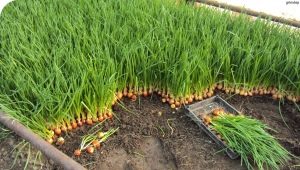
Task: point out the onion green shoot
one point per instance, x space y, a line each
250 139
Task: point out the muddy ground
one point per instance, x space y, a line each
170 140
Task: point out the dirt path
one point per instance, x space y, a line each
149 140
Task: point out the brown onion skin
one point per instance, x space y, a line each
57 131
77 152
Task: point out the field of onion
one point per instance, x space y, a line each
64 64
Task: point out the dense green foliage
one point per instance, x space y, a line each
58 57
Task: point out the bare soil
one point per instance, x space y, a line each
170 140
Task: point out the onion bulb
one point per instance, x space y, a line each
50 140
90 149
119 95
74 125
145 93
133 98
100 135
60 141
218 112
77 152
289 97
96 144
130 94
109 115
210 93
63 128
89 121
79 123
237 91
207 119
101 118
219 86
69 127
95 119
227 91
190 99
57 131
294 99
242 92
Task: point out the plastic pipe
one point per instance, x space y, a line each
251 12
50 151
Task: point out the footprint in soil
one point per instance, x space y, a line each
149 156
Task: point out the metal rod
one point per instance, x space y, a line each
49 150
251 12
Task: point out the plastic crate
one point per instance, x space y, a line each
197 110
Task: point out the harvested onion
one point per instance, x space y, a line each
218 112
77 152
90 149
96 144
207 120
101 134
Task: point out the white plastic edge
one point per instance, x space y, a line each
3 3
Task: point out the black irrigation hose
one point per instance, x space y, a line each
49 150
251 12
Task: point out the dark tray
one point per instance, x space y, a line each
205 107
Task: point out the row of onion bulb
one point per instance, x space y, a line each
176 102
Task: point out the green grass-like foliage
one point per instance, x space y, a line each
58 57
250 139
